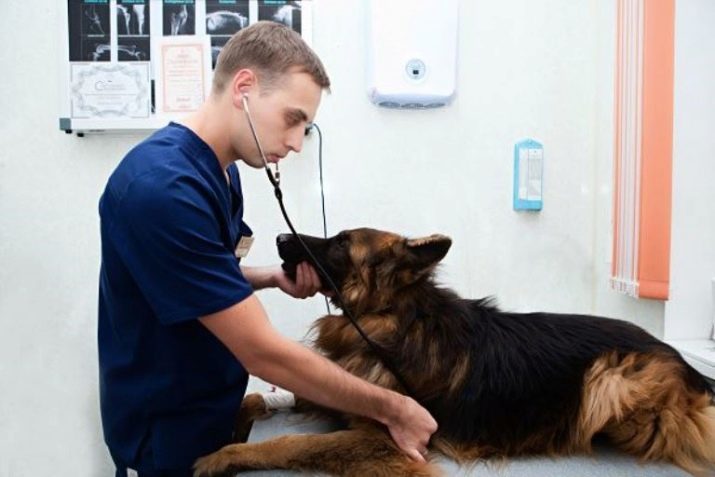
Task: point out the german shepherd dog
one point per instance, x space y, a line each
499 384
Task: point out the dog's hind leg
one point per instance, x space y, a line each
645 405
350 453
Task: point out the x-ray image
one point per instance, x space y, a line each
223 19
133 30
179 17
95 50
226 17
133 48
281 11
95 19
88 30
132 17
217 44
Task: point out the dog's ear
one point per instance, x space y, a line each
427 251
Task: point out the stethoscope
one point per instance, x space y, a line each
275 182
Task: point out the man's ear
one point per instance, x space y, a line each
426 252
244 81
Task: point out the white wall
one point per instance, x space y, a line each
689 312
527 68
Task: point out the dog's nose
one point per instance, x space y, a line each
283 238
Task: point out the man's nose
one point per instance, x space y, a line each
295 140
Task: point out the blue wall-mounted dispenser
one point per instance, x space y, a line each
528 175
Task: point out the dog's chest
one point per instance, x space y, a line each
339 341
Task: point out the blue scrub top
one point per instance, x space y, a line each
170 224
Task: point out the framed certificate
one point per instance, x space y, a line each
110 90
183 73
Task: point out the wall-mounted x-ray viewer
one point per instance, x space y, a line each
412 52
528 175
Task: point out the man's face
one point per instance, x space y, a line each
280 116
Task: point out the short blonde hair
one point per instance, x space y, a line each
271 49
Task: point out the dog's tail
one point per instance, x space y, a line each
648 405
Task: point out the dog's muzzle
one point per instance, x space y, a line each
290 251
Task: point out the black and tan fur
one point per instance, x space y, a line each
499 384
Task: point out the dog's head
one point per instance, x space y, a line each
369 267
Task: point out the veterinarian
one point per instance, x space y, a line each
180 327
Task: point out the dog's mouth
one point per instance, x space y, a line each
292 253
290 269
290 256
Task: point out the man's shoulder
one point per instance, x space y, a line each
156 161
163 150
151 174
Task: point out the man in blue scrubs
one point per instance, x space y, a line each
180 327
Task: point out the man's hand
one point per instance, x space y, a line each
411 428
306 284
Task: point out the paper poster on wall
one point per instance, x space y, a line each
133 30
110 90
89 30
288 13
179 17
183 73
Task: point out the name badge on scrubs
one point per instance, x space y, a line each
244 245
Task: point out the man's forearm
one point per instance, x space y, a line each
244 328
260 277
319 380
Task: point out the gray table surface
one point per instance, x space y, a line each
605 462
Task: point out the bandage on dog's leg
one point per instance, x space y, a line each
252 408
278 399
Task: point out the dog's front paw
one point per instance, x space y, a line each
219 464
254 407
